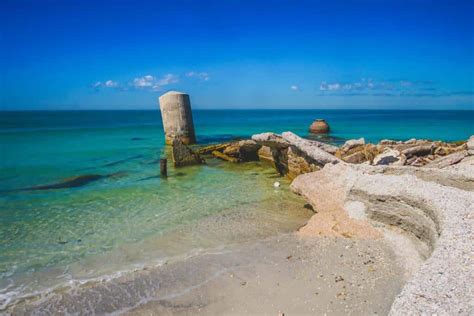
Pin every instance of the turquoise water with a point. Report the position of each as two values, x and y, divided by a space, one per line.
130 217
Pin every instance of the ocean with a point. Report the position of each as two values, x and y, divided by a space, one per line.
126 217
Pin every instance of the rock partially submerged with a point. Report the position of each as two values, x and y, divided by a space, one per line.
244 150
271 140
310 150
319 126
292 155
73 182
183 155
437 217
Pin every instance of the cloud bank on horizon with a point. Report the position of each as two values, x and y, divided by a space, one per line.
303 54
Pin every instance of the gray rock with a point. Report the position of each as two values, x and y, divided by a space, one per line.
348 145
292 137
470 145
448 160
271 140
388 142
309 150
420 150
390 157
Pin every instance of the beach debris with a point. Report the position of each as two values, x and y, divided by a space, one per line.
184 155
338 278
319 126
276 184
177 117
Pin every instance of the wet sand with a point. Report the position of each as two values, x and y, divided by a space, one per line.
287 274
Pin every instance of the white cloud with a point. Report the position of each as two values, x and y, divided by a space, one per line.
295 88
106 84
153 83
372 87
111 84
143 82
204 76
324 86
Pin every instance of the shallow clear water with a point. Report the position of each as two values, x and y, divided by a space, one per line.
131 217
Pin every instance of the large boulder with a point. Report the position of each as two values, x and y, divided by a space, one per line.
309 150
292 137
298 165
271 140
359 153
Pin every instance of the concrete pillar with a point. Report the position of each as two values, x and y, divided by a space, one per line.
177 117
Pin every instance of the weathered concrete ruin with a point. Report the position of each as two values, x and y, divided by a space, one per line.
177 117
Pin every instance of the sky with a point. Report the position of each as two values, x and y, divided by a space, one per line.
74 55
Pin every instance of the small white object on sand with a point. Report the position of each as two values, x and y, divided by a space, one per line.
276 184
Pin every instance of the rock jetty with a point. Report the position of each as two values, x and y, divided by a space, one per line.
420 188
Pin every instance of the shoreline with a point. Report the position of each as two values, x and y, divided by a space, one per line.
285 263
308 154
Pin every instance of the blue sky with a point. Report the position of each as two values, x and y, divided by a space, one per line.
237 54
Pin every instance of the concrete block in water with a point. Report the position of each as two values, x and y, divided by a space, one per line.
177 117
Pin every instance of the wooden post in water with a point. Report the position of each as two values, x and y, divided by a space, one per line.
163 167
